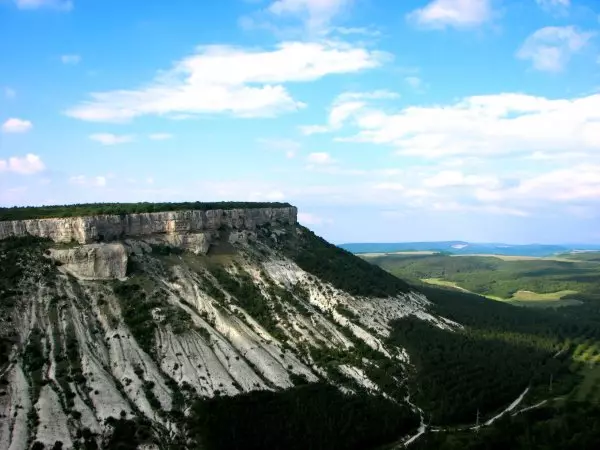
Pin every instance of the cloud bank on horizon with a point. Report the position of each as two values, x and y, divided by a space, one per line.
382 120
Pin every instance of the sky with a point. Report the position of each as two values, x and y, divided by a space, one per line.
382 120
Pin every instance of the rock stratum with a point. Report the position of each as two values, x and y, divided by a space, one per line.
98 338
85 230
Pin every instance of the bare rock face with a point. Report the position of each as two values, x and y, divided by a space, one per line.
90 229
93 261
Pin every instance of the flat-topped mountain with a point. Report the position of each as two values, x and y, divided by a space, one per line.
183 218
121 329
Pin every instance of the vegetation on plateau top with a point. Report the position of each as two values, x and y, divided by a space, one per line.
98 209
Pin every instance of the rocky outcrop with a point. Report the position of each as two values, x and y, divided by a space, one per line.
90 229
93 261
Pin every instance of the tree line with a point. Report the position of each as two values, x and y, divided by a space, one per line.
97 209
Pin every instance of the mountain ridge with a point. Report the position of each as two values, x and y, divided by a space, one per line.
266 306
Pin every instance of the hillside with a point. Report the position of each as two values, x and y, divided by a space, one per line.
567 279
124 341
203 328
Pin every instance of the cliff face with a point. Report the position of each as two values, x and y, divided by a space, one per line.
93 261
85 230
79 353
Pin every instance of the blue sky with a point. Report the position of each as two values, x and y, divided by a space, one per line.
381 120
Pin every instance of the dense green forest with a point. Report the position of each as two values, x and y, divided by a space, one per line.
558 426
494 276
310 417
94 209
340 267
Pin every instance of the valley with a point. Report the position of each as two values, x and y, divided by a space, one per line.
562 280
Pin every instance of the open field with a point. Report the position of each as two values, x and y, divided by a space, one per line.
562 257
565 280
589 388
519 298
529 296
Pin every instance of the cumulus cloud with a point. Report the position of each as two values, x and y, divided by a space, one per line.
27 165
576 183
61 5
549 49
111 139
70 59
554 6
500 124
287 146
452 13
307 218
14 125
316 13
314 16
82 180
452 206
320 158
231 80
453 178
344 107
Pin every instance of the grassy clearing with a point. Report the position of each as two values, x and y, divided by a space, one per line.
520 298
529 296
452 284
446 283
524 258
589 388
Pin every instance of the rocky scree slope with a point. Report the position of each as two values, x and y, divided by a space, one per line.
101 338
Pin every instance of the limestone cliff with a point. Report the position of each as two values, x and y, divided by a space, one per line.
83 358
93 261
85 230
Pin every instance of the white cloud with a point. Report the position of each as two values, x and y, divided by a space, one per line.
550 48
224 79
287 146
452 206
111 139
61 5
554 6
320 158
364 31
316 14
344 107
160 136
70 59
9 92
27 165
500 124
453 178
82 180
307 218
414 82
453 13
391 186
576 183
14 125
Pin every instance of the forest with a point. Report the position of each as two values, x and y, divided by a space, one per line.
568 425
96 209
575 276
317 416
340 268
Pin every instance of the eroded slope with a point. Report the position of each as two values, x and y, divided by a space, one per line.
86 360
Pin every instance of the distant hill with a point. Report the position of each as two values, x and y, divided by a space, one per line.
467 248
